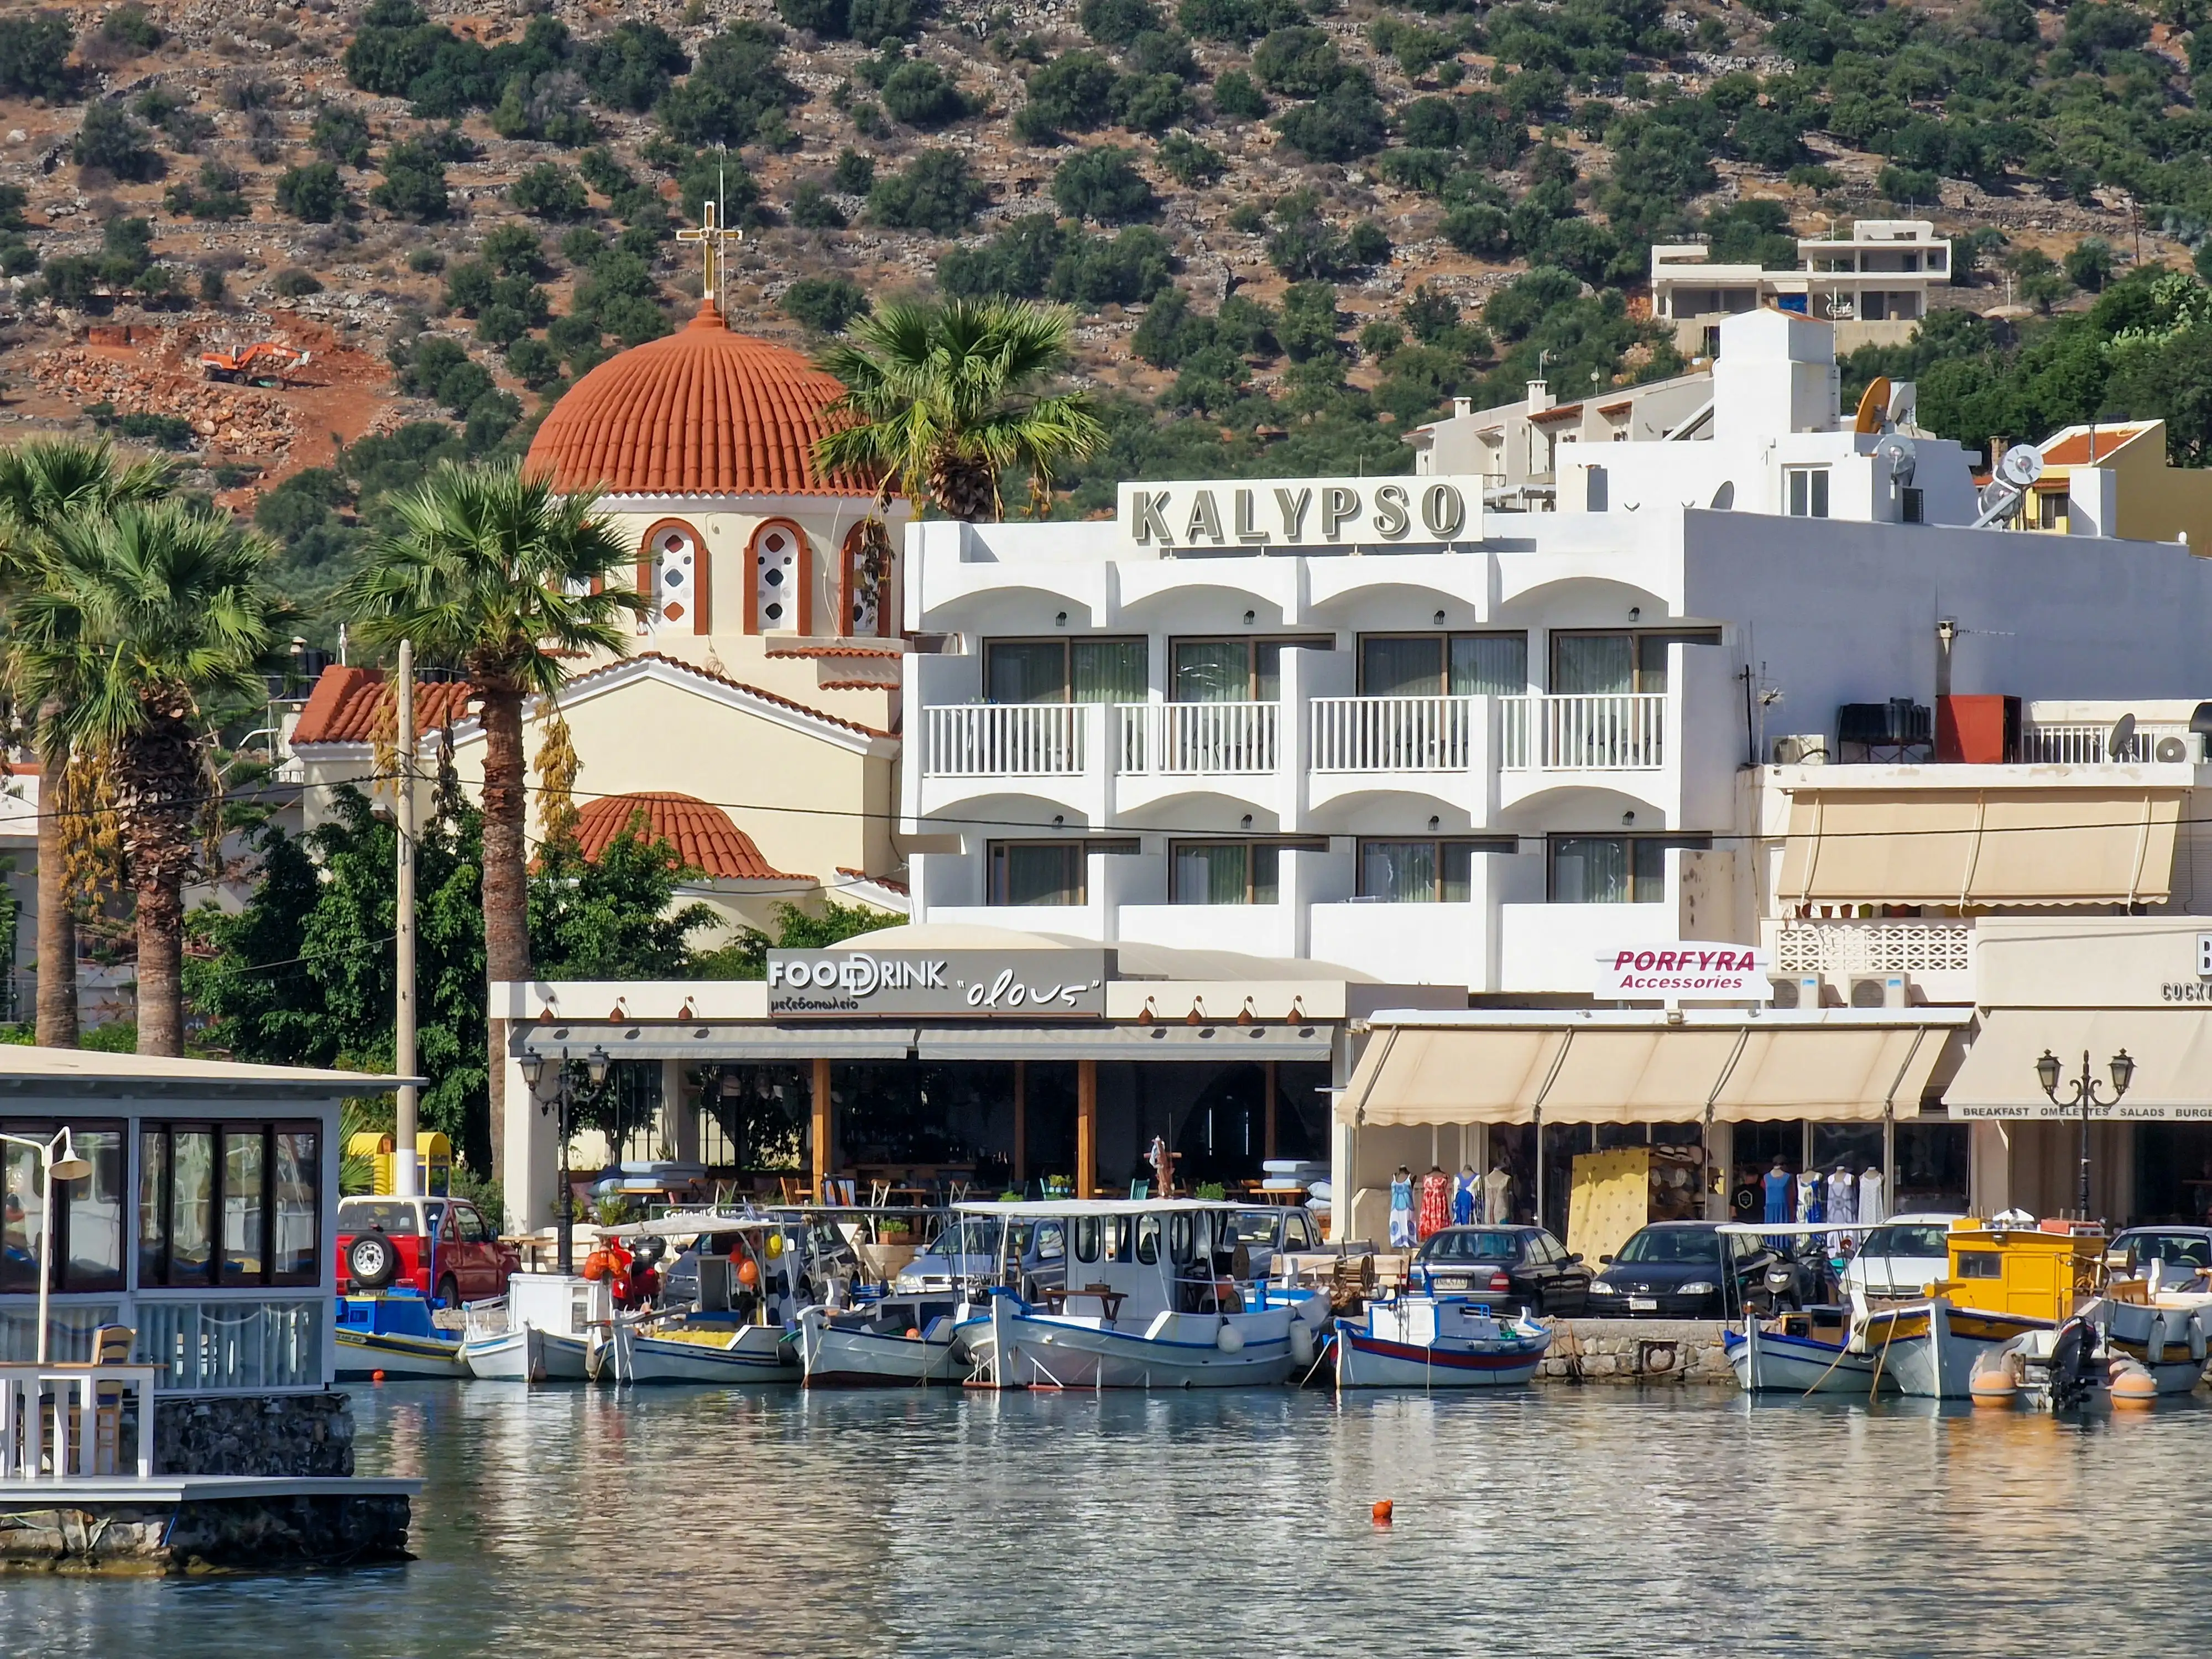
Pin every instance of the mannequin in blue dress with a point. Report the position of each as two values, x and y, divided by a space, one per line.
1401 1209
1463 1195
1778 1189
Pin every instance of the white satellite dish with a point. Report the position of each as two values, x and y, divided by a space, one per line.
1898 455
2122 739
2021 466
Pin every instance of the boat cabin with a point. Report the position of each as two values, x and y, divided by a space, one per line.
2040 1272
1132 1259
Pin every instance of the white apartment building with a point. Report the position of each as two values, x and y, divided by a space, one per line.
1872 284
1374 724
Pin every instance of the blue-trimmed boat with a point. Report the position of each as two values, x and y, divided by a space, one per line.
1437 1342
393 1334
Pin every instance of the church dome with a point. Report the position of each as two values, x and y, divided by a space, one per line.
701 411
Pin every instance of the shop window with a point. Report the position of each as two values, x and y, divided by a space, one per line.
1443 665
1426 871
229 1204
1613 869
84 1250
1231 872
1236 670
1065 670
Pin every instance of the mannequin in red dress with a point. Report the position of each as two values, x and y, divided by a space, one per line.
1435 1213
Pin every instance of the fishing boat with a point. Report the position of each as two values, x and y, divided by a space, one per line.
1437 1342
393 1338
695 1352
1151 1300
1802 1352
900 1341
749 1278
541 1331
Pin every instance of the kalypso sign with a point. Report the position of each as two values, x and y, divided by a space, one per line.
1315 516
1037 984
1685 972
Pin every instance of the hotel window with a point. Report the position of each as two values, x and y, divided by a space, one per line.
1443 665
1425 871
1065 670
1806 490
1600 665
1613 869
1231 872
1047 871
1234 671
229 1204
85 1251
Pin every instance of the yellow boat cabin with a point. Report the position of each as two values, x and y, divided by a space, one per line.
2042 1272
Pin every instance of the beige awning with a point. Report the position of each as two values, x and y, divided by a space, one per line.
1979 848
2172 1049
1641 1074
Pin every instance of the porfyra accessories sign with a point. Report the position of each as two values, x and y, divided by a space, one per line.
1688 972
1034 984
1304 516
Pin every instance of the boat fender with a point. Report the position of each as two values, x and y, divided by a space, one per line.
1302 1342
2196 1336
1229 1339
2157 1343
2134 1386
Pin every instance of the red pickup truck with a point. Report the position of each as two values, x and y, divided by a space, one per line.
442 1247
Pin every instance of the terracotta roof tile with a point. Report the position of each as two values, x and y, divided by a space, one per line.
839 648
873 881
700 411
703 835
2073 449
347 703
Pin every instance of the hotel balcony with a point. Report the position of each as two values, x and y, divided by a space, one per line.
1303 764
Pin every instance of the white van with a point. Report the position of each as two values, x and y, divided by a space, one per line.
1901 1255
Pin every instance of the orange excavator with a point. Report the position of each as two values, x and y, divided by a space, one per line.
263 363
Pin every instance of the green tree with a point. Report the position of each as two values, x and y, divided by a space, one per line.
746 956
824 305
934 191
611 917
414 185
144 623
1104 184
110 140
737 94
493 573
46 484
314 194
940 401
34 48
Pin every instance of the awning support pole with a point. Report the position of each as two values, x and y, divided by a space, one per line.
1021 1124
1267 1133
1086 1128
821 1130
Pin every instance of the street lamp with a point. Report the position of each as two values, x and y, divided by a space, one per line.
561 1101
2085 1095
59 1160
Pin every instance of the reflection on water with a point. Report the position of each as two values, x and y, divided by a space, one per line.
1557 1522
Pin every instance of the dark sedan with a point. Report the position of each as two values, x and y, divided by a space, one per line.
1518 1267
1677 1270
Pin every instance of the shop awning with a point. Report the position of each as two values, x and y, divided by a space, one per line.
2172 1049
1165 1042
1979 846
791 1045
1643 1071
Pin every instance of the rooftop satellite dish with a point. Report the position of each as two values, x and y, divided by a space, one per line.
1897 455
1995 498
1724 497
2021 466
1873 406
2122 738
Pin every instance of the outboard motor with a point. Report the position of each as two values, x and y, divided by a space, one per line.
2074 1364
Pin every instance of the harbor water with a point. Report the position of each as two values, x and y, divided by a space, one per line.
1554 1521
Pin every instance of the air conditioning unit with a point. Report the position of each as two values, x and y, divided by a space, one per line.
1797 990
1880 991
1802 749
2175 750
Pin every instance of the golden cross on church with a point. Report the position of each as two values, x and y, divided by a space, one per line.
713 238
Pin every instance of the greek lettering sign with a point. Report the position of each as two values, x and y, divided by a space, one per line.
976 984
1688 972
1304 515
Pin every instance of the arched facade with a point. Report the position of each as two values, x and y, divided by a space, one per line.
779 580
674 568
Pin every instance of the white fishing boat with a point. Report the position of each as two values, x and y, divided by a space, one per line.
392 1338
1799 1354
882 1346
541 1331
696 1351
1437 1342
1151 1300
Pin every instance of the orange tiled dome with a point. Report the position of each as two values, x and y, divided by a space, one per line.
702 835
700 411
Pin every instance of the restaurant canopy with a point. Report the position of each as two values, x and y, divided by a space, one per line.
1834 1064
2172 1049
1979 848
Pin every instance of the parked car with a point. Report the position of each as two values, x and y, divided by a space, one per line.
1521 1267
442 1247
967 1252
1274 1231
2185 1250
1678 1270
1901 1256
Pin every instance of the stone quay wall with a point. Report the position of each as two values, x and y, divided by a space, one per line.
270 1434
1686 1351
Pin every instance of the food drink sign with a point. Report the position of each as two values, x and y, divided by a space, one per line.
1685 972
1026 984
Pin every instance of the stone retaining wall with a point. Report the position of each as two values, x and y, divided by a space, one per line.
273 1434
248 1534
1636 1351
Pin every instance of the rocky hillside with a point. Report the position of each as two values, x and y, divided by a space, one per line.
1292 223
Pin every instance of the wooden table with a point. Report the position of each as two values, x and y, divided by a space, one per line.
1057 1296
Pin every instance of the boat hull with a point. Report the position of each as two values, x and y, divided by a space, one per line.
2170 1341
841 1357
635 1357
1014 1348
528 1355
1766 1362
1931 1349
1363 1361
363 1355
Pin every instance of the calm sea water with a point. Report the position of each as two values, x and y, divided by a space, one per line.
1563 1521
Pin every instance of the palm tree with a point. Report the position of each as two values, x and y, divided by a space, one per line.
44 484
941 400
144 617
491 572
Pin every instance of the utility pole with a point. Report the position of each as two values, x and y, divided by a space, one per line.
405 1175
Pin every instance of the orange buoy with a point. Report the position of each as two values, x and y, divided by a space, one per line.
748 1273
2134 1387
1382 1511
912 1333
1993 1388
376 1377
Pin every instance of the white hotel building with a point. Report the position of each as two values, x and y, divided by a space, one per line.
1760 682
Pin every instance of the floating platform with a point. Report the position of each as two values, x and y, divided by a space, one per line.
187 1524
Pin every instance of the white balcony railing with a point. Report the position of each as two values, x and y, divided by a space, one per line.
2086 744
1606 731
1232 739
1003 740
1838 948
1392 734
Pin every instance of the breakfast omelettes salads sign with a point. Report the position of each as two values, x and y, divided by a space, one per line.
1711 972
1037 984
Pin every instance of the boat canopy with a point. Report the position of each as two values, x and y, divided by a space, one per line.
1045 1208
687 1224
